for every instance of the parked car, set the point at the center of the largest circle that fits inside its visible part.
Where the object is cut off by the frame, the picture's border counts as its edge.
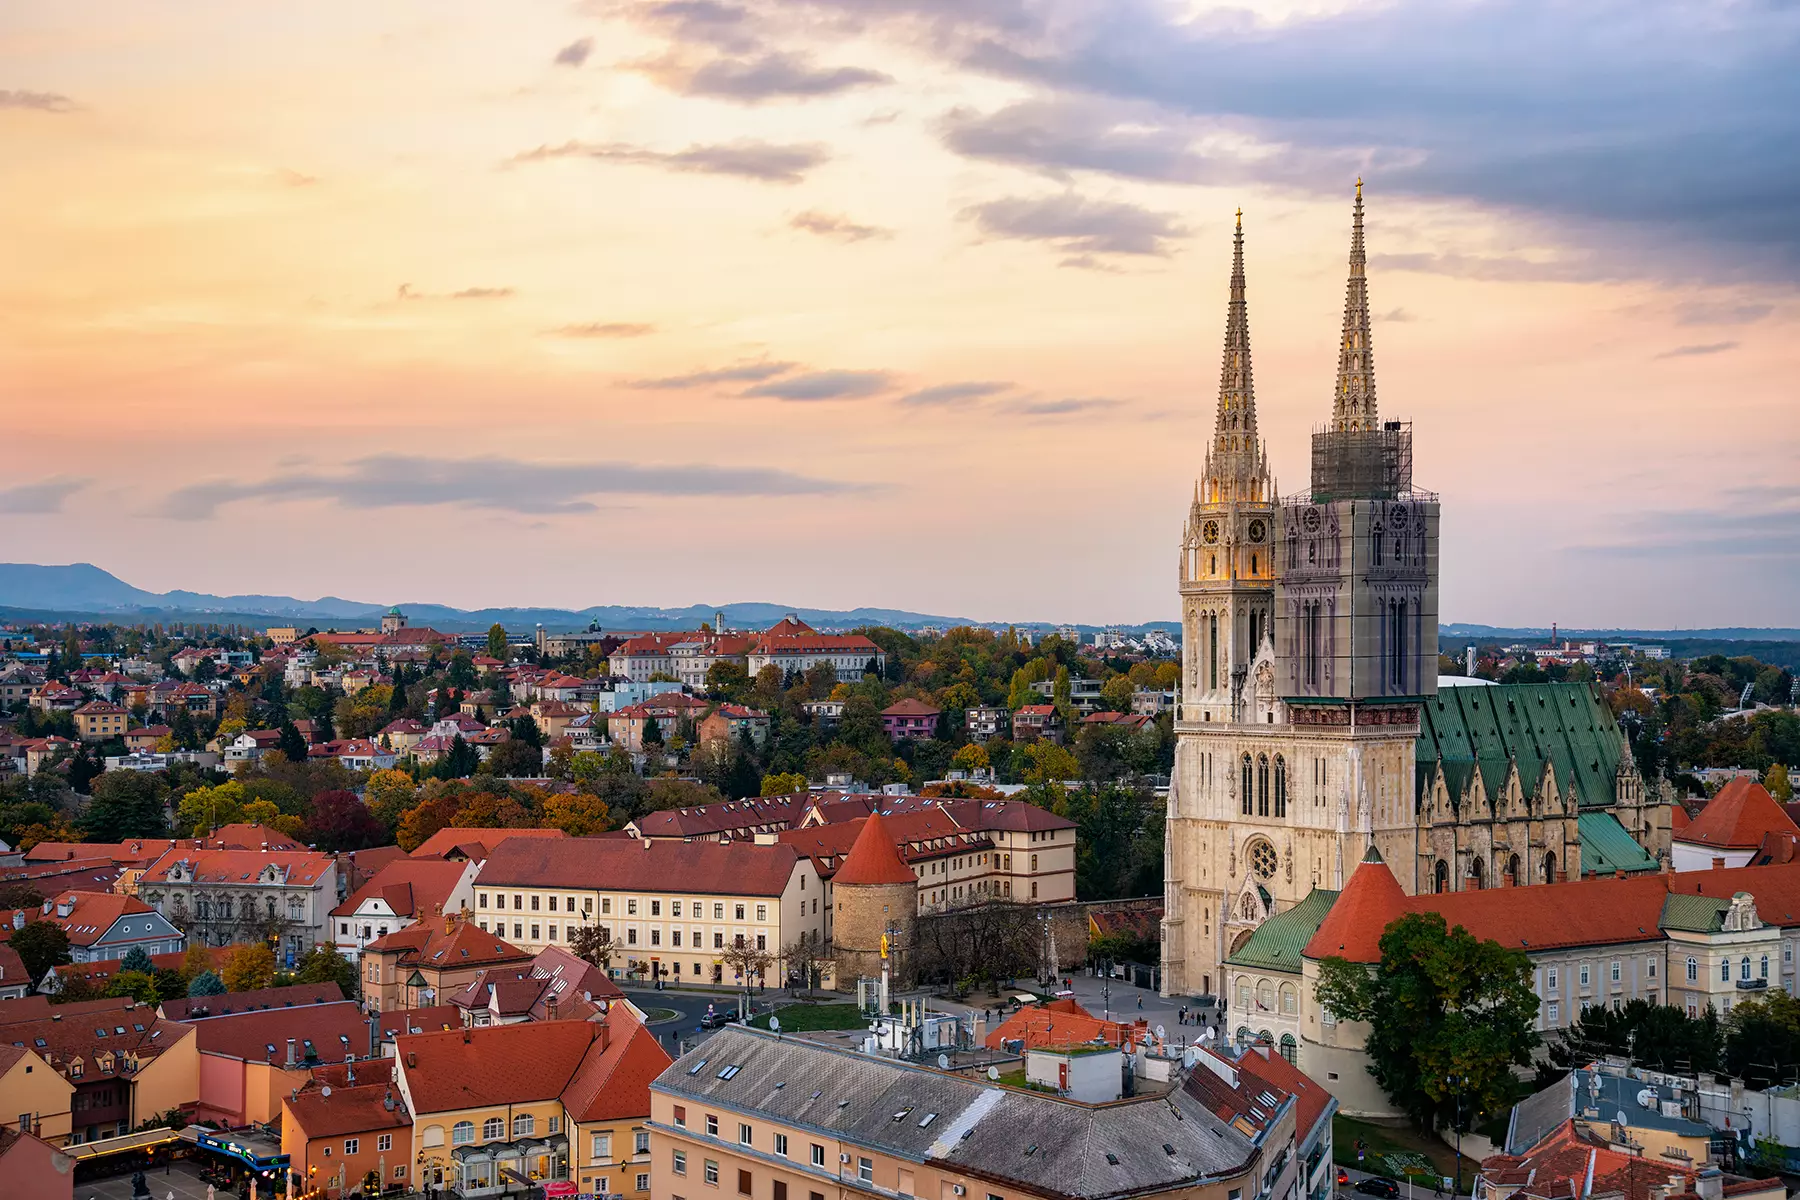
(1376, 1185)
(718, 1017)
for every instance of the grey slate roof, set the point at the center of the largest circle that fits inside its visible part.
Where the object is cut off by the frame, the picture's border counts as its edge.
(1039, 1142)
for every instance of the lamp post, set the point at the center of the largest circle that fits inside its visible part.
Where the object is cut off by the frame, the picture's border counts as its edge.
(1457, 1081)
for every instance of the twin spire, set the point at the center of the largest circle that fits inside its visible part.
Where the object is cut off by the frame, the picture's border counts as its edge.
(1353, 405)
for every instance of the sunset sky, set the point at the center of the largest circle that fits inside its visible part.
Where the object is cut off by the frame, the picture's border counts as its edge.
(910, 303)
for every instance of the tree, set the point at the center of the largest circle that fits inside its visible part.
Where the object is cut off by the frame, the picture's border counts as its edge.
(652, 735)
(41, 945)
(1115, 694)
(972, 757)
(496, 641)
(783, 783)
(460, 762)
(206, 983)
(389, 794)
(248, 968)
(136, 984)
(195, 961)
(1762, 1038)
(1449, 1016)
(1778, 783)
(291, 745)
(804, 961)
(745, 961)
(1049, 763)
(169, 984)
(579, 815)
(1659, 1036)
(340, 821)
(137, 960)
(517, 758)
(126, 804)
(593, 944)
(323, 964)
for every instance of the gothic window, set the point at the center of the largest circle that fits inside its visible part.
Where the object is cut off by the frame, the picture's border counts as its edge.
(1512, 871)
(1476, 871)
(1280, 786)
(1245, 792)
(1247, 910)
(1293, 544)
(1212, 651)
(1262, 860)
(1550, 868)
(1262, 786)
(1441, 877)
(1376, 542)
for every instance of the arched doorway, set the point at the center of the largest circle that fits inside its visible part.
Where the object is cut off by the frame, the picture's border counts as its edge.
(1513, 878)
(1441, 877)
(1550, 867)
(1476, 879)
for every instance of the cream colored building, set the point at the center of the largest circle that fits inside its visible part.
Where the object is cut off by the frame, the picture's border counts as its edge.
(672, 909)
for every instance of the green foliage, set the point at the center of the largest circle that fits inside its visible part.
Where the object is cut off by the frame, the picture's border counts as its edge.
(41, 945)
(1118, 840)
(496, 641)
(126, 804)
(1762, 1039)
(323, 964)
(1449, 1017)
(782, 783)
(136, 984)
(1659, 1036)
(1778, 783)
(137, 960)
(170, 985)
(207, 983)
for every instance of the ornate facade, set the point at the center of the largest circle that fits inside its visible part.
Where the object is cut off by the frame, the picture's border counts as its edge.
(1309, 726)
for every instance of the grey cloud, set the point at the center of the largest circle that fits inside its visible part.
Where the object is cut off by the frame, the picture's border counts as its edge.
(706, 22)
(575, 53)
(1755, 521)
(1056, 136)
(41, 498)
(1078, 225)
(772, 76)
(1395, 315)
(494, 483)
(953, 393)
(832, 225)
(1703, 312)
(482, 293)
(1500, 270)
(49, 102)
(741, 373)
(1698, 351)
(603, 329)
(824, 385)
(745, 158)
(1062, 408)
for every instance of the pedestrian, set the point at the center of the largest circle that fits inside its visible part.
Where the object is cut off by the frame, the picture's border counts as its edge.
(1140, 1001)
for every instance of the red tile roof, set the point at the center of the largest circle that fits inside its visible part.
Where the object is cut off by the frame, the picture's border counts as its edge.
(1560, 1166)
(12, 968)
(90, 914)
(873, 859)
(494, 1064)
(1370, 900)
(331, 1112)
(1063, 1023)
(211, 1008)
(614, 1077)
(452, 942)
(483, 841)
(1280, 1075)
(910, 708)
(1738, 818)
(627, 864)
(411, 887)
(304, 868)
(261, 1036)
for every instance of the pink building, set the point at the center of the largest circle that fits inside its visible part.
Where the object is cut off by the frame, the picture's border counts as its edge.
(909, 719)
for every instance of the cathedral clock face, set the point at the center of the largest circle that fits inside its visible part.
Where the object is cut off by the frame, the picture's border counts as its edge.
(1257, 530)
(1262, 860)
(1210, 531)
(1311, 520)
(1398, 516)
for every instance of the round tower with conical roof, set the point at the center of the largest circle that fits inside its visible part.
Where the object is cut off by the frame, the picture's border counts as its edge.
(874, 896)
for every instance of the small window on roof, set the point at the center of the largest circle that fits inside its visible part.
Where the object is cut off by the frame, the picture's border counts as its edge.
(927, 1119)
(697, 1067)
(1112, 1158)
(730, 1071)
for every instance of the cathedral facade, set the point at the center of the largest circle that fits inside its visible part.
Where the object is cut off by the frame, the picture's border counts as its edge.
(1309, 724)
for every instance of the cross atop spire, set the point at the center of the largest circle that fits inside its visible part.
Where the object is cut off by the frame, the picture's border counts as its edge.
(1353, 406)
(1235, 429)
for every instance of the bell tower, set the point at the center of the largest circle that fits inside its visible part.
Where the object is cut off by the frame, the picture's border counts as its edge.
(1227, 567)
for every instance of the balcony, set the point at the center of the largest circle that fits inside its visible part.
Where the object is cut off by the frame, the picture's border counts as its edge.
(1752, 985)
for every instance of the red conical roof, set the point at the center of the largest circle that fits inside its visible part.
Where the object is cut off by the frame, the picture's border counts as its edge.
(873, 858)
(1352, 929)
(1738, 817)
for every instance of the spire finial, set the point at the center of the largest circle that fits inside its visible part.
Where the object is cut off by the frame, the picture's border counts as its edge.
(1353, 407)
(1235, 430)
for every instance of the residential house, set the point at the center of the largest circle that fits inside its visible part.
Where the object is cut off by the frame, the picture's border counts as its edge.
(249, 1060)
(223, 896)
(984, 722)
(793, 646)
(52, 697)
(168, 697)
(1034, 721)
(672, 908)
(145, 737)
(14, 982)
(553, 985)
(39, 1098)
(402, 735)
(825, 714)
(1732, 828)
(909, 718)
(404, 891)
(100, 721)
(250, 745)
(35, 1168)
(336, 1136)
(554, 716)
(855, 1125)
(17, 685)
(1148, 702)
(428, 961)
(126, 1065)
(474, 845)
(103, 925)
(729, 724)
(556, 1101)
(1084, 694)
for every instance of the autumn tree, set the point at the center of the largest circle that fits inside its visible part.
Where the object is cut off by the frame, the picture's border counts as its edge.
(747, 962)
(248, 968)
(126, 804)
(340, 821)
(578, 815)
(324, 964)
(592, 944)
(41, 945)
(783, 783)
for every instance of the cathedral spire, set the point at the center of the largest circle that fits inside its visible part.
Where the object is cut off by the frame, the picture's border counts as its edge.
(1235, 429)
(1354, 405)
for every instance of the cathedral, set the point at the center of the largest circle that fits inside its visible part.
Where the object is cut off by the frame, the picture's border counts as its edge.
(1310, 725)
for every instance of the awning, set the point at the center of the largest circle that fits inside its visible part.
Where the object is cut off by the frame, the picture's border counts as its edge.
(143, 1139)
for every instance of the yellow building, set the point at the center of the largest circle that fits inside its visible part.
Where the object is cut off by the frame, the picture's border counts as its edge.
(554, 1101)
(29, 1085)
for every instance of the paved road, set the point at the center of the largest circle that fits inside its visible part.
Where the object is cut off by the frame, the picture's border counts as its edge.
(690, 1007)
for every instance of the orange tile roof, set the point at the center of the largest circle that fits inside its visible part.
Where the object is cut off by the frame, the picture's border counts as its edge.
(494, 1064)
(1738, 817)
(330, 1112)
(412, 887)
(1062, 1023)
(873, 859)
(452, 942)
(1370, 900)
(444, 841)
(615, 1074)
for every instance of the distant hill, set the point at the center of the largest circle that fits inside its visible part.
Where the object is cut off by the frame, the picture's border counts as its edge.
(29, 592)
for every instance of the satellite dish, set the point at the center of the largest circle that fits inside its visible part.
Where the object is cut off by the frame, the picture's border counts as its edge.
(993, 1074)
(775, 1024)
(1647, 1097)
(1620, 1118)
(325, 1091)
(943, 1062)
(1211, 1033)
(1160, 1032)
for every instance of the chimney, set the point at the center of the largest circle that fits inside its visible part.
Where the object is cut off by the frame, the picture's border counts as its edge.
(292, 1061)
(550, 1005)
(1619, 874)
(465, 1035)
(1718, 862)
(1710, 1184)
(412, 1059)
(387, 1100)
(19, 920)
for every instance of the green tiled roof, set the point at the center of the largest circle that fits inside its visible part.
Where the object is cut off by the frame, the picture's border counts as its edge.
(1277, 942)
(1606, 846)
(1487, 729)
(1697, 914)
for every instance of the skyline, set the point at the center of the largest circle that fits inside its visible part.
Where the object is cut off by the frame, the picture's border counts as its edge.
(898, 304)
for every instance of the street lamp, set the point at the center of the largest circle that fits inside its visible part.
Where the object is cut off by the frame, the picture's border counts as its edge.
(1457, 1081)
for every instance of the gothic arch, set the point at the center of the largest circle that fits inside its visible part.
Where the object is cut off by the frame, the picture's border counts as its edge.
(1441, 877)
(1550, 866)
